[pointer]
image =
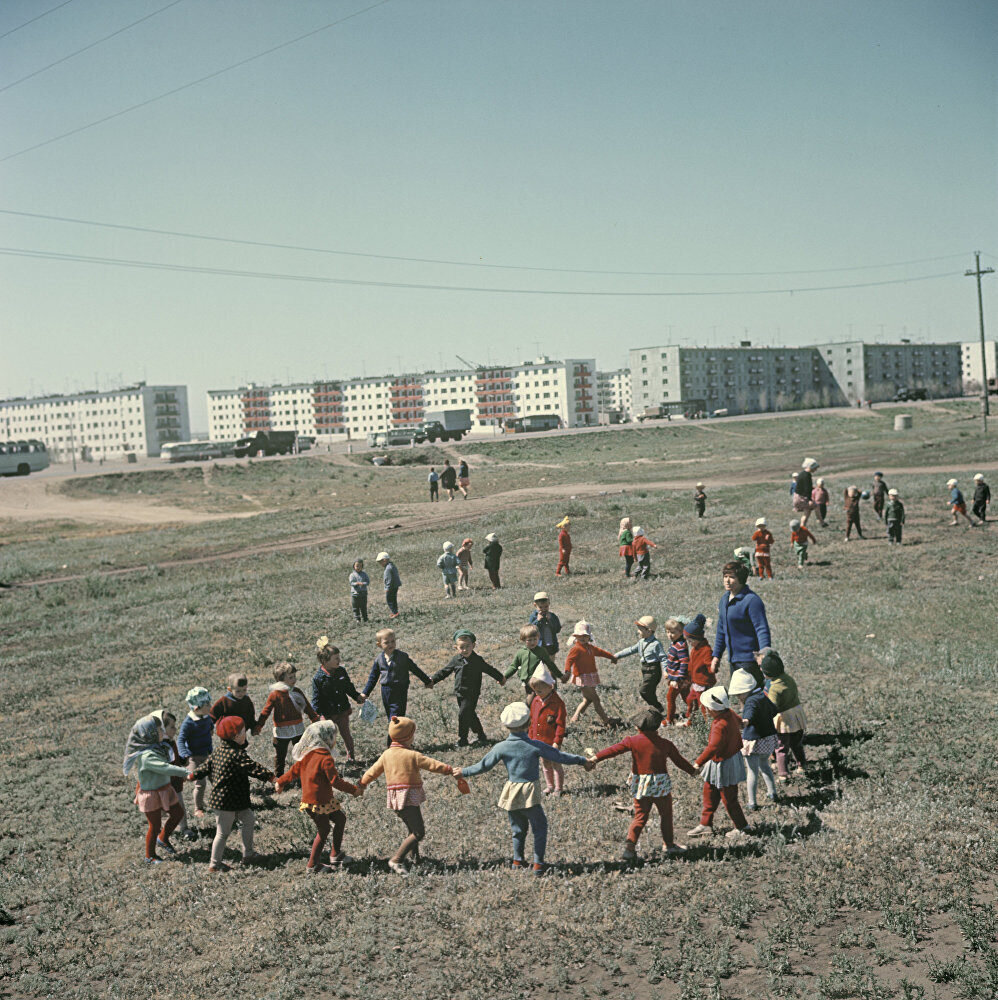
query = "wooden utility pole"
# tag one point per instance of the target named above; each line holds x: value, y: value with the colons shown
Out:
x: 977, y: 272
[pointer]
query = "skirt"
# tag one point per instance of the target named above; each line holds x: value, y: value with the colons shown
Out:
x: 760, y: 748
x: 159, y: 798
x: 463, y: 481
x: 520, y: 795
x: 802, y: 503
x: 650, y: 786
x: 724, y: 773
x: 321, y: 808
x: 586, y: 680
x: 792, y: 720
x: 406, y: 795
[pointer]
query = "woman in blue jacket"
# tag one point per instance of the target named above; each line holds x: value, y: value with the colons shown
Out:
x: 742, y: 627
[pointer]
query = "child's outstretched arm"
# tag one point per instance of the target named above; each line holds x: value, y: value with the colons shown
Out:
x: 496, y: 675
x: 560, y: 757
x: 488, y: 762
x: 372, y: 678
x: 679, y: 760
x: 630, y: 651
x: 608, y: 752
x: 288, y: 776
x: 372, y: 773
x: 413, y: 669
x: 425, y: 763
x: 596, y: 651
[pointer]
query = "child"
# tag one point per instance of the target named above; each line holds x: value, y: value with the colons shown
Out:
x: 879, y: 493
x: 789, y: 720
x: 463, y: 478
x: 392, y: 667
x: 169, y: 723
x: 467, y: 667
x: 799, y: 537
x: 851, y: 504
x: 331, y: 689
x: 229, y: 767
x: 521, y: 795
x: 820, y: 497
x: 793, y: 488
x: 235, y: 701
x: 702, y: 673
x: 677, y: 668
x: 315, y: 768
x: 288, y: 703
x: 401, y: 765
x: 721, y: 765
x: 758, y: 733
x: 642, y: 555
x: 547, y: 724
x: 464, y: 563
x: 746, y: 557
x: 547, y: 622
x: 957, y: 505
x: 529, y: 657
x: 763, y: 539
x: 653, y: 657
x: 447, y: 563
x: 580, y: 669
x: 434, y: 480
x: 564, y: 546
x: 392, y: 582
x: 625, y: 543
x: 650, y: 784
x: 194, y: 739
x: 700, y: 501
x: 359, y: 582
x: 148, y: 753
x: 894, y: 516
x: 982, y: 498
x: 493, y: 554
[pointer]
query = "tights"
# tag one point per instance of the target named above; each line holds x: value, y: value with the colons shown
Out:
x: 412, y: 816
x: 323, y: 821
x: 519, y: 819
x: 155, y: 818
x: 757, y: 764
x: 642, y: 813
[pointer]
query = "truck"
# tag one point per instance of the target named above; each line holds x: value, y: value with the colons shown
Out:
x: 266, y: 443
x: 447, y: 425
x: 653, y: 413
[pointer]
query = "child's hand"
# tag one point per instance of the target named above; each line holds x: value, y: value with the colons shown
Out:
x: 358, y: 792
x: 613, y: 659
x: 456, y: 771
x: 363, y: 698
x: 589, y: 765
x: 673, y: 684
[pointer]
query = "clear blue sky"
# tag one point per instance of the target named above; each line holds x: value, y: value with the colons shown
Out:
x: 701, y: 138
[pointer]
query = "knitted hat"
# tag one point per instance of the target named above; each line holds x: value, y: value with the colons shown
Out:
x: 229, y: 727
x: 515, y: 716
x: 490, y: 537
x: 771, y: 664
x: 742, y: 682
x: 465, y: 633
x: 892, y: 493
x: 695, y: 626
x: 401, y: 729
x: 795, y: 523
x: 646, y: 719
x: 541, y: 595
x: 760, y: 522
x: 648, y: 622
x: 197, y: 696
x: 951, y: 482
x: 639, y: 532
x: 879, y: 474
x: 563, y: 523
x: 448, y: 546
x: 583, y: 628
x: 715, y: 698
x: 978, y: 476
x: 543, y: 675
x: 382, y: 555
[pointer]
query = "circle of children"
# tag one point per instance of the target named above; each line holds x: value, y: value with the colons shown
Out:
x: 739, y: 746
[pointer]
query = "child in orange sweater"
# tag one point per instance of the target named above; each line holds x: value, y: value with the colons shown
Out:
x: 580, y: 670
x: 763, y: 539
x: 799, y: 537
x: 315, y: 768
x: 288, y: 703
x: 400, y: 765
x: 547, y: 724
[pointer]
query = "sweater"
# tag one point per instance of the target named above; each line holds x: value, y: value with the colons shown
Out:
x: 548, y: 627
x: 154, y: 771
x: 725, y: 739
x: 318, y: 775
x: 447, y: 564
x: 467, y: 674
x: 194, y: 736
x: 527, y: 660
x: 548, y: 719
x: 763, y: 539
x: 492, y: 553
x: 677, y: 661
x: 742, y: 628
x: 581, y: 659
x: 393, y: 674
x: 229, y: 767
x: 521, y: 755
x: 757, y: 714
x: 391, y: 578
x: 700, y: 672
x: 801, y: 536
x: 641, y: 546
x: 819, y: 495
x: 287, y: 709
x: 783, y: 693
x: 401, y: 766
x: 650, y: 754
x: 358, y: 583
x: 894, y: 511
x: 330, y: 692
x: 650, y: 650
x: 626, y: 542
x: 241, y: 708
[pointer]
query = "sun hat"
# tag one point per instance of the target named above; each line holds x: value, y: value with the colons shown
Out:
x: 819, y: 481
x: 541, y: 595
x: 583, y: 628
x: 647, y: 621
x: 382, y: 555
x: 465, y: 633
x: 771, y: 663
x: 401, y: 729
x: 742, y: 682
x: 892, y: 493
x: 809, y: 463
x: 715, y: 698
x: 699, y: 485
x: 543, y: 675
x: 515, y: 716
x: 760, y: 522
x: 951, y: 482
x: 695, y: 626
x: 448, y: 546
x: 490, y: 537
x: 197, y: 696
x: 978, y: 475
x: 229, y: 727
x: 639, y: 532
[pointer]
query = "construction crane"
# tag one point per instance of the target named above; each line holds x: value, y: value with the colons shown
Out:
x: 465, y: 361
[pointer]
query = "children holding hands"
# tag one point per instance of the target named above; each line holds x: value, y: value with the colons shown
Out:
x: 529, y: 657
x: 580, y: 670
x: 653, y: 656
x: 288, y: 704
x: 547, y: 725
x: 467, y: 667
x: 758, y: 733
x: 331, y: 689
x: 392, y: 667
x: 194, y: 739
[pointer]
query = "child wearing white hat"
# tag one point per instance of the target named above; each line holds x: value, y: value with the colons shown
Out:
x: 547, y: 723
x: 521, y: 795
x: 820, y: 497
x: 763, y: 539
x: 982, y: 498
x: 580, y: 670
x: 894, y: 517
x: 957, y: 504
x: 447, y: 563
x: 758, y: 733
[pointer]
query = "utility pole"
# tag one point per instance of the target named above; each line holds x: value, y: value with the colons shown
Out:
x: 977, y: 272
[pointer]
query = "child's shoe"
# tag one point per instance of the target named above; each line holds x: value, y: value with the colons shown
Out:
x: 165, y: 847
x: 518, y: 864
x: 736, y: 835
x: 153, y: 861
x: 398, y: 868
x: 318, y: 870
x: 673, y: 850
x: 629, y: 853
x: 539, y: 869
x: 190, y: 834
x: 220, y: 867
x: 341, y: 859
x: 700, y: 830
x: 751, y: 807
x: 783, y: 779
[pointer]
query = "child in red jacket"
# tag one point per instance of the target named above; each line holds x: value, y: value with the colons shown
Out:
x: 547, y: 724
x: 564, y: 546
x: 289, y: 704
x: 763, y: 539
x: 721, y: 765
x: 642, y: 554
x: 650, y: 783
x: 702, y: 676
x: 315, y: 768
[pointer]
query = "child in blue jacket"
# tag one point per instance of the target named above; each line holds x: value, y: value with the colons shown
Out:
x: 392, y: 667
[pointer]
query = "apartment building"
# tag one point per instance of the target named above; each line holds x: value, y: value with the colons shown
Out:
x: 96, y: 426
x: 971, y: 368
x: 874, y: 372
x: 613, y: 392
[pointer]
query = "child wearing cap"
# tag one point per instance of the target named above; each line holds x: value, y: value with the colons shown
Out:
x: 400, y: 765
x: 521, y: 795
x: 851, y: 504
x: 467, y: 667
x: 677, y: 667
x: 746, y: 556
x: 700, y: 500
x: 493, y: 554
x: 392, y: 582
x: 194, y: 739
x: 625, y: 544
x: 529, y: 657
x: 642, y: 554
x: 982, y: 498
x: 799, y: 537
x: 894, y: 516
x: 564, y: 546
x: 879, y: 494
x: 332, y: 690
x: 448, y: 565
x: 758, y: 733
x: 392, y: 668
x: 789, y: 720
x: 763, y: 539
x: 547, y: 622
x: 650, y: 784
x: 547, y: 724
x: 703, y: 674
x: 580, y: 670
x: 957, y: 505
x: 653, y: 656
x: 288, y: 704
x: 720, y: 764
x: 820, y: 497
x: 464, y: 563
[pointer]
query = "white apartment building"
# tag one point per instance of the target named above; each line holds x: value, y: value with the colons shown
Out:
x: 101, y: 425
x: 970, y: 363
x: 613, y: 391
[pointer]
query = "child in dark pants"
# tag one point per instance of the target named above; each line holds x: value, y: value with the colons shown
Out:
x: 700, y: 500
x: 392, y: 667
x: 289, y: 704
x: 653, y: 657
x: 359, y: 582
x: 894, y: 516
x: 851, y: 504
x: 642, y: 554
x: 493, y: 554
x: 331, y: 691
x: 820, y: 497
x: 467, y: 667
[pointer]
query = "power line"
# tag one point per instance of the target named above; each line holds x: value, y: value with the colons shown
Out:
x: 318, y: 279
x: 85, y: 48
x: 192, y: 83
x: 464, y: 263
x: 37, y: 18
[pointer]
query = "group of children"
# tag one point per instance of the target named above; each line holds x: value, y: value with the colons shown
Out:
x: 455, y: 565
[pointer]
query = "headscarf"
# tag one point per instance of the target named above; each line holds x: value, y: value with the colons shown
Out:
x: 229, y: 727
x: 146, y: 734
x: 563, y: 523
x: 197, y: 696
x: 401, y: 729
x: 318, y: 736
x: 625, y: 523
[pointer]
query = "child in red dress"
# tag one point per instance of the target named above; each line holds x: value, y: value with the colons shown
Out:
x: 564, y: 546
x: 580, y: 669
x: 547, y: 724
x: 763, y: 539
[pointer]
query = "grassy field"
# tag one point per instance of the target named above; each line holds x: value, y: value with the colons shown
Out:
x: 875, y: 879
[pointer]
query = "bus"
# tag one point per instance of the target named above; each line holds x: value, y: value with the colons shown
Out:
x: 19, y: 458
x: 191, y: 451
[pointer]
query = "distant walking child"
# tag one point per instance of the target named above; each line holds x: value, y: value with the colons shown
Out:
x: 392, y: 582
x: 392, y: 668
x: 434, y: 480
x: 547, y: 622
x: 957, y: 505
x: 653, y: 657
x: 580, y: 669
x: 879, y: 494
x: 331, y: 691
x: 677, y: 669
x: 894, y: 516
x: 464, y: 564
x: 763, y: 539
x: 642, y: 554
x: 448, y: 564
x: 564, y: 546
x: 467, y: 667
x: 799, y: 537
x: 401, y: 766
x: 288, y: 704
x: 982, y: 498
x: 758, y: 733
x: 492, y: 553
x: 700, y: 500
x: 820, y: 497
x: 548, y: 717
x: 851, y: 504
x: 359, y: 582
x: 702, y: 673
x: 529, y: 657
x: 235, y: 701
x: 194, y: 739
x: 789, y: 720
x: 625, y: 544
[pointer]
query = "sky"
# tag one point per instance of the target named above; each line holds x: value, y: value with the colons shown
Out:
x: 372, y: 187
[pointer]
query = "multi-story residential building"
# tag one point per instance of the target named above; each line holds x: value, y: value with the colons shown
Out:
x: 874, y: 372
x: 101, y: 425
x: 613, y: 392
x: 973, y: 374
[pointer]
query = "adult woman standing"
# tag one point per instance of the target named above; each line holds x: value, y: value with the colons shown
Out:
x: 742, y: 626
x: 803, y: 502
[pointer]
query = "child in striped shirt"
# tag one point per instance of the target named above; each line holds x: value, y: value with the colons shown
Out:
x: 677, y: 669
